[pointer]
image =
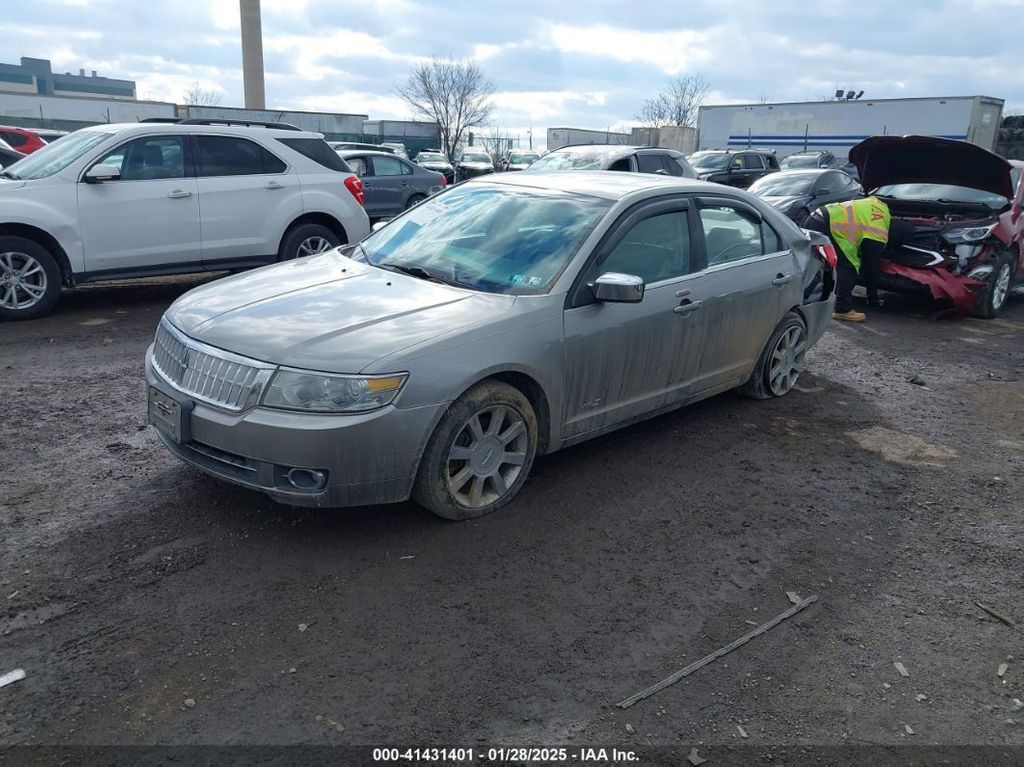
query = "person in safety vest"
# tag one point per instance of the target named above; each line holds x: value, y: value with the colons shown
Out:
x: 859, y: 230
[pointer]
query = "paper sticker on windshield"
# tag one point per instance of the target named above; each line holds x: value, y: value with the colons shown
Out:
x: 533, y: 280
x: 515, y: 279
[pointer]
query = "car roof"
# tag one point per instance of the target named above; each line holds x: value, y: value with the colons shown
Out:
x: 227, y: 130
x: 607, y: 184
x: 366, y: 153
x: 803, y: 172
x: 811, y: 151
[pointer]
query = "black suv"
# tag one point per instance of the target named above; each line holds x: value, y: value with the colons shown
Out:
x: 733, y: 167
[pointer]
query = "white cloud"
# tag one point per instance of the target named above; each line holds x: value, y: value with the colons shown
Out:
x: 672, y: 51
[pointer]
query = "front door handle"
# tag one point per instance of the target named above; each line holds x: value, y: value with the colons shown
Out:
x: 274, y: 185
x: 782, y: 279
x: 687, y: 307
x: 178, y: 194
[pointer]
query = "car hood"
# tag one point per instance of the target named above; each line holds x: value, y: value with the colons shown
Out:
x: 438, y: 166
x: 476, y: 165
x: 327, y: 313
x: 884, y: 160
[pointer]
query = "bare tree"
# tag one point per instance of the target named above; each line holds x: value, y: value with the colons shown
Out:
x: 454, y: 93
x: 678, y: 103
x: 495, y: 141
x: 200, y: 97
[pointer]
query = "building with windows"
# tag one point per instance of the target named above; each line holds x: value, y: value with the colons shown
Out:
x: 36, y: 76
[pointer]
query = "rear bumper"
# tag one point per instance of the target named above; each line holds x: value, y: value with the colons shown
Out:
x: 817, y: 316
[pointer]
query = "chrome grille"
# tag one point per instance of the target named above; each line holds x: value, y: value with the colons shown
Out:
x: 207, y: 373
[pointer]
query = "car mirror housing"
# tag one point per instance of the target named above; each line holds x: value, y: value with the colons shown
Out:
x: 615, y: 288
x: 99, y: 173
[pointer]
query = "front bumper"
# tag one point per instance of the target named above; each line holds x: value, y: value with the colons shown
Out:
x: 367, y: 458
x: 942, y: 285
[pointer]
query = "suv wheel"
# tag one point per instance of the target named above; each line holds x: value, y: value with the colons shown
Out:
x: 29, y: 279
x: 480, y: 453
x: 993, y: 298
x: 307, y: 240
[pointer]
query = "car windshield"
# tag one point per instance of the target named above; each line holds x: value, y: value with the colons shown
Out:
x: 474, y: 157
x: 801, y: 161
x: 783, y: 185
x: 711, y: 160
x: 941, y: 193
x: 488, y: 238
x: 571, y: 160
x: 421, y: 157
x: 55, y: 157
x: 522, y: 159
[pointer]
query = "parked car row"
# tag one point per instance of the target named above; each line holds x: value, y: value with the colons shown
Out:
x: 391, y: 184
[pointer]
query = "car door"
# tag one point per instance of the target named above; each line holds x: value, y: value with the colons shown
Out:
x: 391, y: 180
x: 147, y: 218
x: 622, y: 360
x: 748, y: 280
x: 753, y: 168
x: 247, y: 198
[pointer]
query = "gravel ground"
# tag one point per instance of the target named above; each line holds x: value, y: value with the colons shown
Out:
x: 148, y: 603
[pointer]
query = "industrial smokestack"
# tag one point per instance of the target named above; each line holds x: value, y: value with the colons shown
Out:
x: 252, y: 54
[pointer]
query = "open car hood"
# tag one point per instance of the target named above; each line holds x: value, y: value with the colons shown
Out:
x: 884, y: 160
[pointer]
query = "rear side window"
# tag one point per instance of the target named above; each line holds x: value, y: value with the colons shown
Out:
x: 649, y: 163
x: 14, y: 139
x: 234, y: 156
x: 771, y: 161
x: 317, y: 150
x: 752, y: 162
x: 388, y: 166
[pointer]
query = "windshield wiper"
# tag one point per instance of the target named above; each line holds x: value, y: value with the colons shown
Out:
x: 421, y: 273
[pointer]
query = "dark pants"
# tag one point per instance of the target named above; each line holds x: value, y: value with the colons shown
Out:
x: 846, y: 275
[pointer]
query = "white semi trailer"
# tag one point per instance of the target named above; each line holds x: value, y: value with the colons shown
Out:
x: 838, y: 125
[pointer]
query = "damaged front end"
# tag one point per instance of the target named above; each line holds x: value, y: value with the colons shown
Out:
x: 952, y: 258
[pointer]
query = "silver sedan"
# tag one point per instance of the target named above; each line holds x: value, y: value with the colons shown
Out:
x: 507, y: 317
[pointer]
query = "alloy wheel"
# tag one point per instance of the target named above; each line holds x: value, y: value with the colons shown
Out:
x: 313, y: 245
x: 487, y: 456
x: 1001, y: 287
x: 787, y: 360
x: 22, y: 281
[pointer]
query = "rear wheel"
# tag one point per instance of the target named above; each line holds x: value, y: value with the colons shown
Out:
x: 993, y: 297
x: 480, y: 453
x: 307, y: 240
x: 781, y: 360
x: 30, y: 279
x: 416, y: 199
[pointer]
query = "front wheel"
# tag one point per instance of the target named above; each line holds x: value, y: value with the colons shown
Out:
x: 993, y: 298
x: 781, y: 361
x: 480, y: 454
x: 30, y: 279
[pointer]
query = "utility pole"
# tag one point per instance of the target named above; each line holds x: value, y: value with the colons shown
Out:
x: 252, y: 54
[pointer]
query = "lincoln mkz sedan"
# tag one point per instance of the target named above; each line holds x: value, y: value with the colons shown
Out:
x: 504, y: 318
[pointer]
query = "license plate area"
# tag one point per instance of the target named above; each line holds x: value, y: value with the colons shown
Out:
x: 169, y: 415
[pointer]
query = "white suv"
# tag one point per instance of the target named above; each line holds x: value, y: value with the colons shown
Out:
x: 142, y: 199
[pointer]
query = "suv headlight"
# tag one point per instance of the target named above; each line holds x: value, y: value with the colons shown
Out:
x: 968, y: 234
x: 326, y: 393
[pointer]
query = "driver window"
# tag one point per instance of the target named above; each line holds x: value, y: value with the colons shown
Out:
x: 148, y: 158
x: 655, y: 249
x: 729, y: 235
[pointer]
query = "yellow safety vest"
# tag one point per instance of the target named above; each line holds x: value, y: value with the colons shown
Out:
x: 855, y: 221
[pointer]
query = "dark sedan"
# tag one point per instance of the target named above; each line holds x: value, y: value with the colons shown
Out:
x: 390, y: 183
x: 798, y: 192
x: 473, y: 162
x: 438, y: 163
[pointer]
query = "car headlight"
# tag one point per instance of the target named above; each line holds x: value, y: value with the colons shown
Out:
x: 968, y: 234
x: 326, y: 393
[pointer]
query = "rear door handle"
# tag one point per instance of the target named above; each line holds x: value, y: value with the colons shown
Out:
x: 177, y: 194
x: 688, y: 306
x: 782, y: 279
x: 274, y: 185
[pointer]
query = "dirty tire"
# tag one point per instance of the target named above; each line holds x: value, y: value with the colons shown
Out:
x: 786, y: 346
x: 993, y: 298
x: 40, y: 272
x: 307, y: 240
x: 416, y: 199
x: 460, y: 475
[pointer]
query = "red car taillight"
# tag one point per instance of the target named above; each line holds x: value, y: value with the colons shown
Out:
x: 444, y: 181
x: 355, y: 186
x: 827, y: 253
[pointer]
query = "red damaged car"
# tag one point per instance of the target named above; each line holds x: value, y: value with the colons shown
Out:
x: 964, y: 203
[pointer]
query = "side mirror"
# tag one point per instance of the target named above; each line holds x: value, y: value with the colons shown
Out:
x: 99, y: 173
x: 615, y: 288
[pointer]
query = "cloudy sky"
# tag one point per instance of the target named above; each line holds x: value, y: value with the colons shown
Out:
x: 554, y: 62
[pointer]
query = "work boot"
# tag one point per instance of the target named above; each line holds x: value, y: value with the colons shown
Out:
x: 851, y: 316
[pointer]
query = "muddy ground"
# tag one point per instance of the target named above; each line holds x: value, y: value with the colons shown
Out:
x: 132, y: 584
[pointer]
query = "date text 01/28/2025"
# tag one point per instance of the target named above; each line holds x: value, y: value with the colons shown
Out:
x: 504, y: 754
